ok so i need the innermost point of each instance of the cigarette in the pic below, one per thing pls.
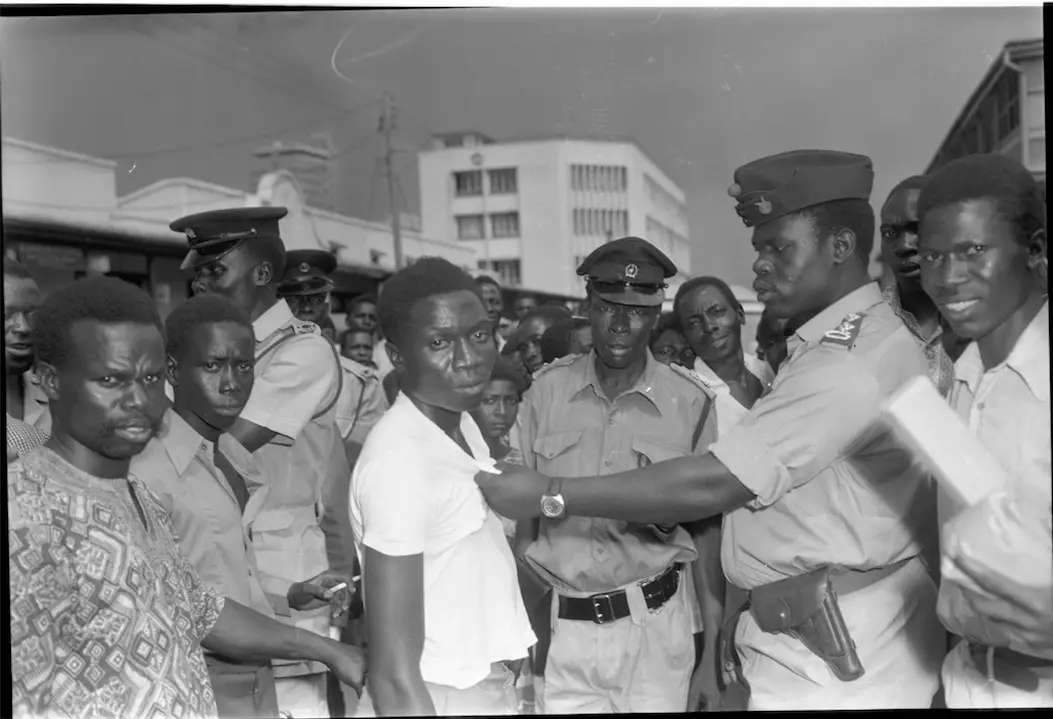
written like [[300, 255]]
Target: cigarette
[[336, 588], [356, 578]]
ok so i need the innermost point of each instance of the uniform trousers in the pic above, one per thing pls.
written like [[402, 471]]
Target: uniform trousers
[[969, 683], [641, 663], [243, 691], [493, 696], [898, 637]]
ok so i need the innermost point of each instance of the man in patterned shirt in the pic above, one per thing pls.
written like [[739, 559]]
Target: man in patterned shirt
[[107, 616]]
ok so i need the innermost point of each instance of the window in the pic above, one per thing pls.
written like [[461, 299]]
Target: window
[[507, 271], [470, 227], [504, 224], [468, 184], [598, 178], [503, 182], [1008, 94], [600, 223]]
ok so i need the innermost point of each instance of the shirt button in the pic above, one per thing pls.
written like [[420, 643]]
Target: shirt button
[[607, 463]]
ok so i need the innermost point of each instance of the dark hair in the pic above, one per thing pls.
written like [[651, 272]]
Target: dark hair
[[270, 250], [106, 300], [14, 268], [769, 327], [197, 311], [527, 297], [914, 182], [693, 284], [503, 370], [667, 322], [855, 215], [1013, 188], [486, 280], [555, 342], [361, 300], [427, 277], [549, 313]]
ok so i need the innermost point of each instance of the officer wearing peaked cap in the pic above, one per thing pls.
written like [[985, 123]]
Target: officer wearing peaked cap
[[307, 283], [812, 484], [615, 585], [289, 423]]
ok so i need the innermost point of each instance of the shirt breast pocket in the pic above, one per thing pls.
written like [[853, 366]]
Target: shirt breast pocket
[[554, 452], [648, 451]]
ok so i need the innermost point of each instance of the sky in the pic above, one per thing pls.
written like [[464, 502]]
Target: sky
[[702, 91]]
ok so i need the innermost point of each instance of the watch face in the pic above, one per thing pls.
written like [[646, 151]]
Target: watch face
[[552, 506]]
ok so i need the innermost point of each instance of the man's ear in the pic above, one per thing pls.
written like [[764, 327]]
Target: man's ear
[[172, 371], [843, 245], [263, 274], [47, 375], [393, 354], [741, 314]]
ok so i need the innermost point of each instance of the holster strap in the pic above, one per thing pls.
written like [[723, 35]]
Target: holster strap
[[848, 581], [612, 606]]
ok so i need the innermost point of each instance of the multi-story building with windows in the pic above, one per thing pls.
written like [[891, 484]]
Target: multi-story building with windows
[[534, 208], [1006, 113]]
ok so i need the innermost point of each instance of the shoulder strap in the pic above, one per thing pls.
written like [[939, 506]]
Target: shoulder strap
[[844, 335], [697, 434], [339, 384], [287, 333], [283, 334]]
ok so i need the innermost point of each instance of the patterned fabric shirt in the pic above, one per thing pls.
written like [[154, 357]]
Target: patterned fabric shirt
[[107, 616], [22, 438], [941, 367]]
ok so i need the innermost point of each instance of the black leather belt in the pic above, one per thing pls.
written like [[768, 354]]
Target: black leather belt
[[612, 606]]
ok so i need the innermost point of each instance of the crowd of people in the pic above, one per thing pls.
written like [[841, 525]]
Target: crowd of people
[[237, 511]]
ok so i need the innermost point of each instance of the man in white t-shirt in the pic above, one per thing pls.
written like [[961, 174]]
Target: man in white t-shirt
[[445, 620]]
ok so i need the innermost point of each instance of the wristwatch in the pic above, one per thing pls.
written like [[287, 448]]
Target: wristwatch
[[552, 505]]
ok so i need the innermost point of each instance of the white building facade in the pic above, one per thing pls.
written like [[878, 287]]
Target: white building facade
[[533, 209]]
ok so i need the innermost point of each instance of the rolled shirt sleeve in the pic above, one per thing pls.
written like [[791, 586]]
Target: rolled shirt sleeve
[[814, 416], [393, 498], [294, 385]]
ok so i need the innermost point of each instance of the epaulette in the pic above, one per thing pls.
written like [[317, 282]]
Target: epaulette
[[356, 368], [564, 361], [844, 335], [306, 327], [694, 377]]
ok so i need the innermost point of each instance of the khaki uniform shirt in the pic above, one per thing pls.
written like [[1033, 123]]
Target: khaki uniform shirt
[[569, 428], [362, 402], [832, 487], [178, 465]]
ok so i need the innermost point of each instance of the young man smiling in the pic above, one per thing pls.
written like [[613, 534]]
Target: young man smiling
[[445, 620], [107, 616], [983, 243], [210, 355]]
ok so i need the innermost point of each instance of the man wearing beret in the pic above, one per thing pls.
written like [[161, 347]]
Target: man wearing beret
[[289, 422], [821, 526], [621, 620]]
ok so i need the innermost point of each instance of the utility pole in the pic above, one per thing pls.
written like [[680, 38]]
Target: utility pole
[[387, 124]]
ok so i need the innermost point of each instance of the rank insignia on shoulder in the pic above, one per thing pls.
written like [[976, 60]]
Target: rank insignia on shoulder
[[564, 361], [305, 327], [692, 375], [844, 335]]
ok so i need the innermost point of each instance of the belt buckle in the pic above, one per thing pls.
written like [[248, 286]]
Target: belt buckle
[[598, 601]]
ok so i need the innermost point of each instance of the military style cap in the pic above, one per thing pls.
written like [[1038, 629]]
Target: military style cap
[[775, 186], [629, 271], [307, 272], [211, 235]]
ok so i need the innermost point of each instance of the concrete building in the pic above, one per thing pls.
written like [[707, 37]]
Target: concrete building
[[312, 165], [1005, 114], [62, 218], [534, 208]]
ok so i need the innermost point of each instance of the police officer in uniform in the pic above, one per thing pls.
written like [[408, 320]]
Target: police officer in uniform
[[289, 422], [622, 614], [815, 490]]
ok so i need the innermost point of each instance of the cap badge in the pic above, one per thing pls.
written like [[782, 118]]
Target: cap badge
[[190, 234], [304, 267], [764, 206], [630, 271]]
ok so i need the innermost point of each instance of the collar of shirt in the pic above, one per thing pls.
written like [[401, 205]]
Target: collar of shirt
[[181, 441], [813, 330], [272, 320], [891, 295], [424, 431], [1029, 359], [712, 378], [587, 377]]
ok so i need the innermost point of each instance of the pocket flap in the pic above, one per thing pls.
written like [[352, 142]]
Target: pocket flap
[[655, 451], [552, 445], [783, 605]]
